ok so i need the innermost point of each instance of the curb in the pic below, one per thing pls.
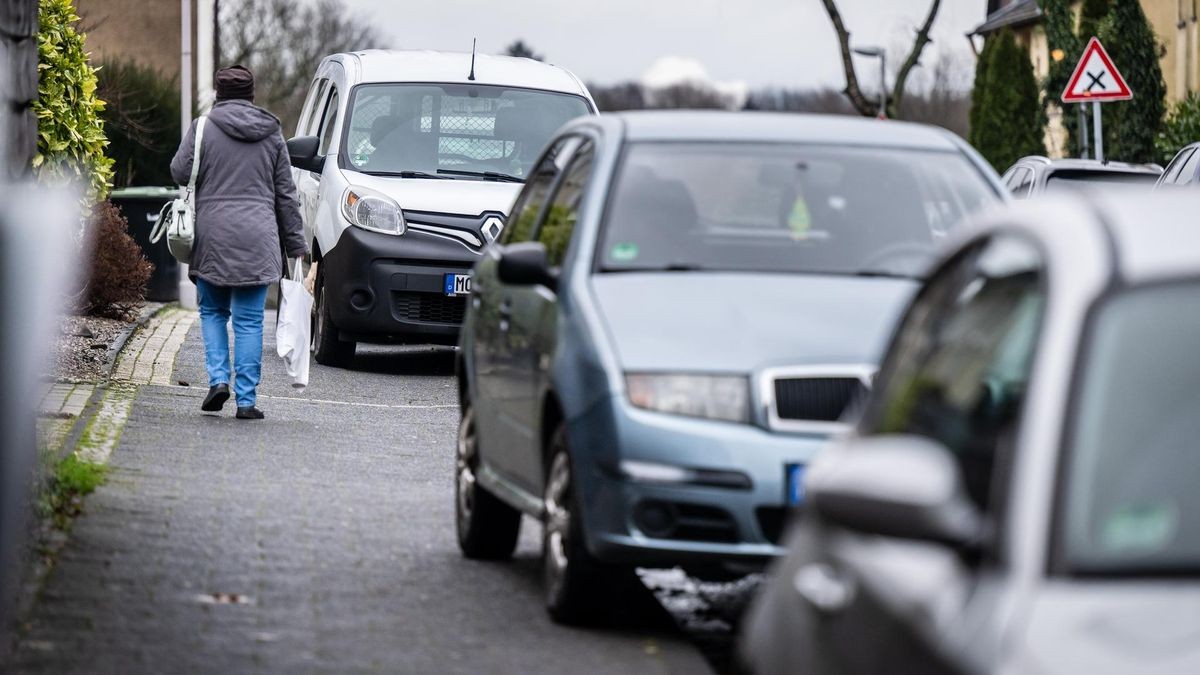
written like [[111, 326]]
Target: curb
[[114, 350]]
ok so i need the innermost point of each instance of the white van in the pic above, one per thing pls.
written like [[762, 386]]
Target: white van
[[406, 164]]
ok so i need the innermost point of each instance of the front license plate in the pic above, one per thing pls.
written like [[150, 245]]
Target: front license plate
[[795, 484], [457, 284]]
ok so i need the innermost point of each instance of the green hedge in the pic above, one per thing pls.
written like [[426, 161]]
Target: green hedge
[[1181, 127], [71, 138]]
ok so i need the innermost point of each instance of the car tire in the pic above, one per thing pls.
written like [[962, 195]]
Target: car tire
[[578, 587], [487, 527], [327, 348]]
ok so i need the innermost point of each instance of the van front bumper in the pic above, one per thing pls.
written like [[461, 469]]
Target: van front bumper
[[390, 289]]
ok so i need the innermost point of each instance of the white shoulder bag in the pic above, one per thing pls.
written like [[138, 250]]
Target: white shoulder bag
[[177, 219]]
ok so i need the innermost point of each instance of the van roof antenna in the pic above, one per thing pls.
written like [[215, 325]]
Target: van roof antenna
[[471, 76]]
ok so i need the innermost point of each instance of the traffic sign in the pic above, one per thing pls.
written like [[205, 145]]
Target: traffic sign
[[1096, 78]]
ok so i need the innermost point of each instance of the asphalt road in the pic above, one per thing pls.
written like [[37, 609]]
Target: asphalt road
[[318, 540]]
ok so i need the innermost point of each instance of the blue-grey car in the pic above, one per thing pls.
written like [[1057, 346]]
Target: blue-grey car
[[680, 312]]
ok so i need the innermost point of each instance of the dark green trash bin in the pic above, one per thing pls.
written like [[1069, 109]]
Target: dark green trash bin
[[141, 206]]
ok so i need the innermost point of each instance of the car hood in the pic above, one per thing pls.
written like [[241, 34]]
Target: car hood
[[1115, 626], [739, 322], [466, 196]]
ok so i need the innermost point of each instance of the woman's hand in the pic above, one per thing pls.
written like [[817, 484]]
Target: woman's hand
[[310, 281]]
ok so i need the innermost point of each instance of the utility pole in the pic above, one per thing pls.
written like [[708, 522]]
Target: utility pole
[[879, 53], [187, 291]]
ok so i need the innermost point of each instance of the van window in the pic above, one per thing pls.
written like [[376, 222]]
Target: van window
[[312, 109], [453, 128], [327, 124]]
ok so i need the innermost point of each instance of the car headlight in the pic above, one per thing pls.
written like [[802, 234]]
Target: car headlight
[[717, 397], [372, 210]]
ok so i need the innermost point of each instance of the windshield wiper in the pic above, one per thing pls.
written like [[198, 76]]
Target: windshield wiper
[[889, 274], [494, 175], [407, 174]]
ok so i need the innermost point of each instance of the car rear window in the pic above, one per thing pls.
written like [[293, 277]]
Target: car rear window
[[786, 207], [1072, 178]]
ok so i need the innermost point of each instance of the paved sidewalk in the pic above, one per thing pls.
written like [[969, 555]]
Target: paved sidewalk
[[318, 540]]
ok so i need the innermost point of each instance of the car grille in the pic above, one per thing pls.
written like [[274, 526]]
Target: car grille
[[429, 307], [772, 520], [704, 523], [817, 399]]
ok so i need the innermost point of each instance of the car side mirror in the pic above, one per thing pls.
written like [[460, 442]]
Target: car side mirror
[[526, 264], [908, 487], [302, 153]]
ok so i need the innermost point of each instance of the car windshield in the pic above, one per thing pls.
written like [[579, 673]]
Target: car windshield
[[786, 208], [1074, 178], [465, 131], [1133, 505]]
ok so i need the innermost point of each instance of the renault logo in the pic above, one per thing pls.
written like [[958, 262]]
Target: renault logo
[[491, 228]]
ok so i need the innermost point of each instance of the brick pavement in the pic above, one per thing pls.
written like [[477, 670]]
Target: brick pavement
[[318, 540]]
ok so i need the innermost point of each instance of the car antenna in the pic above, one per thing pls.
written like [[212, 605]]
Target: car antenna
[[471, 75]]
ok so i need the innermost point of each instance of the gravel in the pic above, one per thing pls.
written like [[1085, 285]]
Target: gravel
[[82, 345]]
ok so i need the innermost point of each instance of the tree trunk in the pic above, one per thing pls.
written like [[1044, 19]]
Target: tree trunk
[[860, 102]]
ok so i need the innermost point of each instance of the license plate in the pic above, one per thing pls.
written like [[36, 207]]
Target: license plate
[[795, 484], [457, 284]]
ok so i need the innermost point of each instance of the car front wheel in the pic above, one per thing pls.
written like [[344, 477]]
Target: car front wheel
[[487, 527], [326, 347], [577, 586]]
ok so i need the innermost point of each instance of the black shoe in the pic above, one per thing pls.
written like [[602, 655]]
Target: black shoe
[[217, 395], [250, 413]]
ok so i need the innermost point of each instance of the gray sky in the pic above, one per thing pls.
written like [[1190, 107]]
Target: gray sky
[[756, 42]]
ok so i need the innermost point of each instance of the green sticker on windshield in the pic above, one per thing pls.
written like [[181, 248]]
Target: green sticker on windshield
[[624, 252], [799, 219], [1139, 527]]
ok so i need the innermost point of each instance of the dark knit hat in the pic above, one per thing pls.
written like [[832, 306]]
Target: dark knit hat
[[235, 82]]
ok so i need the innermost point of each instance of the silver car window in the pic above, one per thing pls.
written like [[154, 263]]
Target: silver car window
[[958, 368], [1132, 500], [816, 209]]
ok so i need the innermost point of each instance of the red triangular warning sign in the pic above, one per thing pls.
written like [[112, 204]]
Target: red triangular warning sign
[[1096, 78]]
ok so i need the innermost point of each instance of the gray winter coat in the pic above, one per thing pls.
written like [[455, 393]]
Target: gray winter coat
[[245, 197]]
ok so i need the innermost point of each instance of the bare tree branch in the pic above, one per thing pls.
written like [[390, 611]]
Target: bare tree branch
[[914, 55], [852, 91]]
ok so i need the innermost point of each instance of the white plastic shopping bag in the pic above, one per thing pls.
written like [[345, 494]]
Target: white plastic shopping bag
[[292, 332]]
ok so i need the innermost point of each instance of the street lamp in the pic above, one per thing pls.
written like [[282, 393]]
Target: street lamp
[[877, 52]]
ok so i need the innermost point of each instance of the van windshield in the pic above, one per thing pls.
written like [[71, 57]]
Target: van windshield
[[448, 130]]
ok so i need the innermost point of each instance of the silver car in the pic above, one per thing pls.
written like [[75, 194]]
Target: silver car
[[679, 313], [1020, 495]]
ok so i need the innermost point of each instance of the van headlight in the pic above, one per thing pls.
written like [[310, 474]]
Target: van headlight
[[716, 397], [372, 210]]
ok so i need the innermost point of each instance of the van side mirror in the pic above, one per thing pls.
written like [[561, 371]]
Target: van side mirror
[[908, 487], [526, 264], [302, 153]]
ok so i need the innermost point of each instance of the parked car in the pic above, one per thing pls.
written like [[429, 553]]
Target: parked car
[[1184, 169], [681, 312], [1034, 175], [406, 163], [1019, 495]]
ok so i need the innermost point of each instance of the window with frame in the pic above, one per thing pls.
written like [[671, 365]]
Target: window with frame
[[958, 369], [523, 218], [328, 121], [559, 223], [313, 109]]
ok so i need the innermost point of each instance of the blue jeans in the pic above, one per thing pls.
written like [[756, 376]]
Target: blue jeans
[[245, 305]]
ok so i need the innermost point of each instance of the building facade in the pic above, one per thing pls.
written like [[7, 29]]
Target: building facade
[[1174, 23]]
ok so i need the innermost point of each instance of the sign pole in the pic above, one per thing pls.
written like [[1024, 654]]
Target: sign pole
[[1098, 127], [1084, 150]]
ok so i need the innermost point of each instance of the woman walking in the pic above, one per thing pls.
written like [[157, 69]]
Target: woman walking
[[245, 202]]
